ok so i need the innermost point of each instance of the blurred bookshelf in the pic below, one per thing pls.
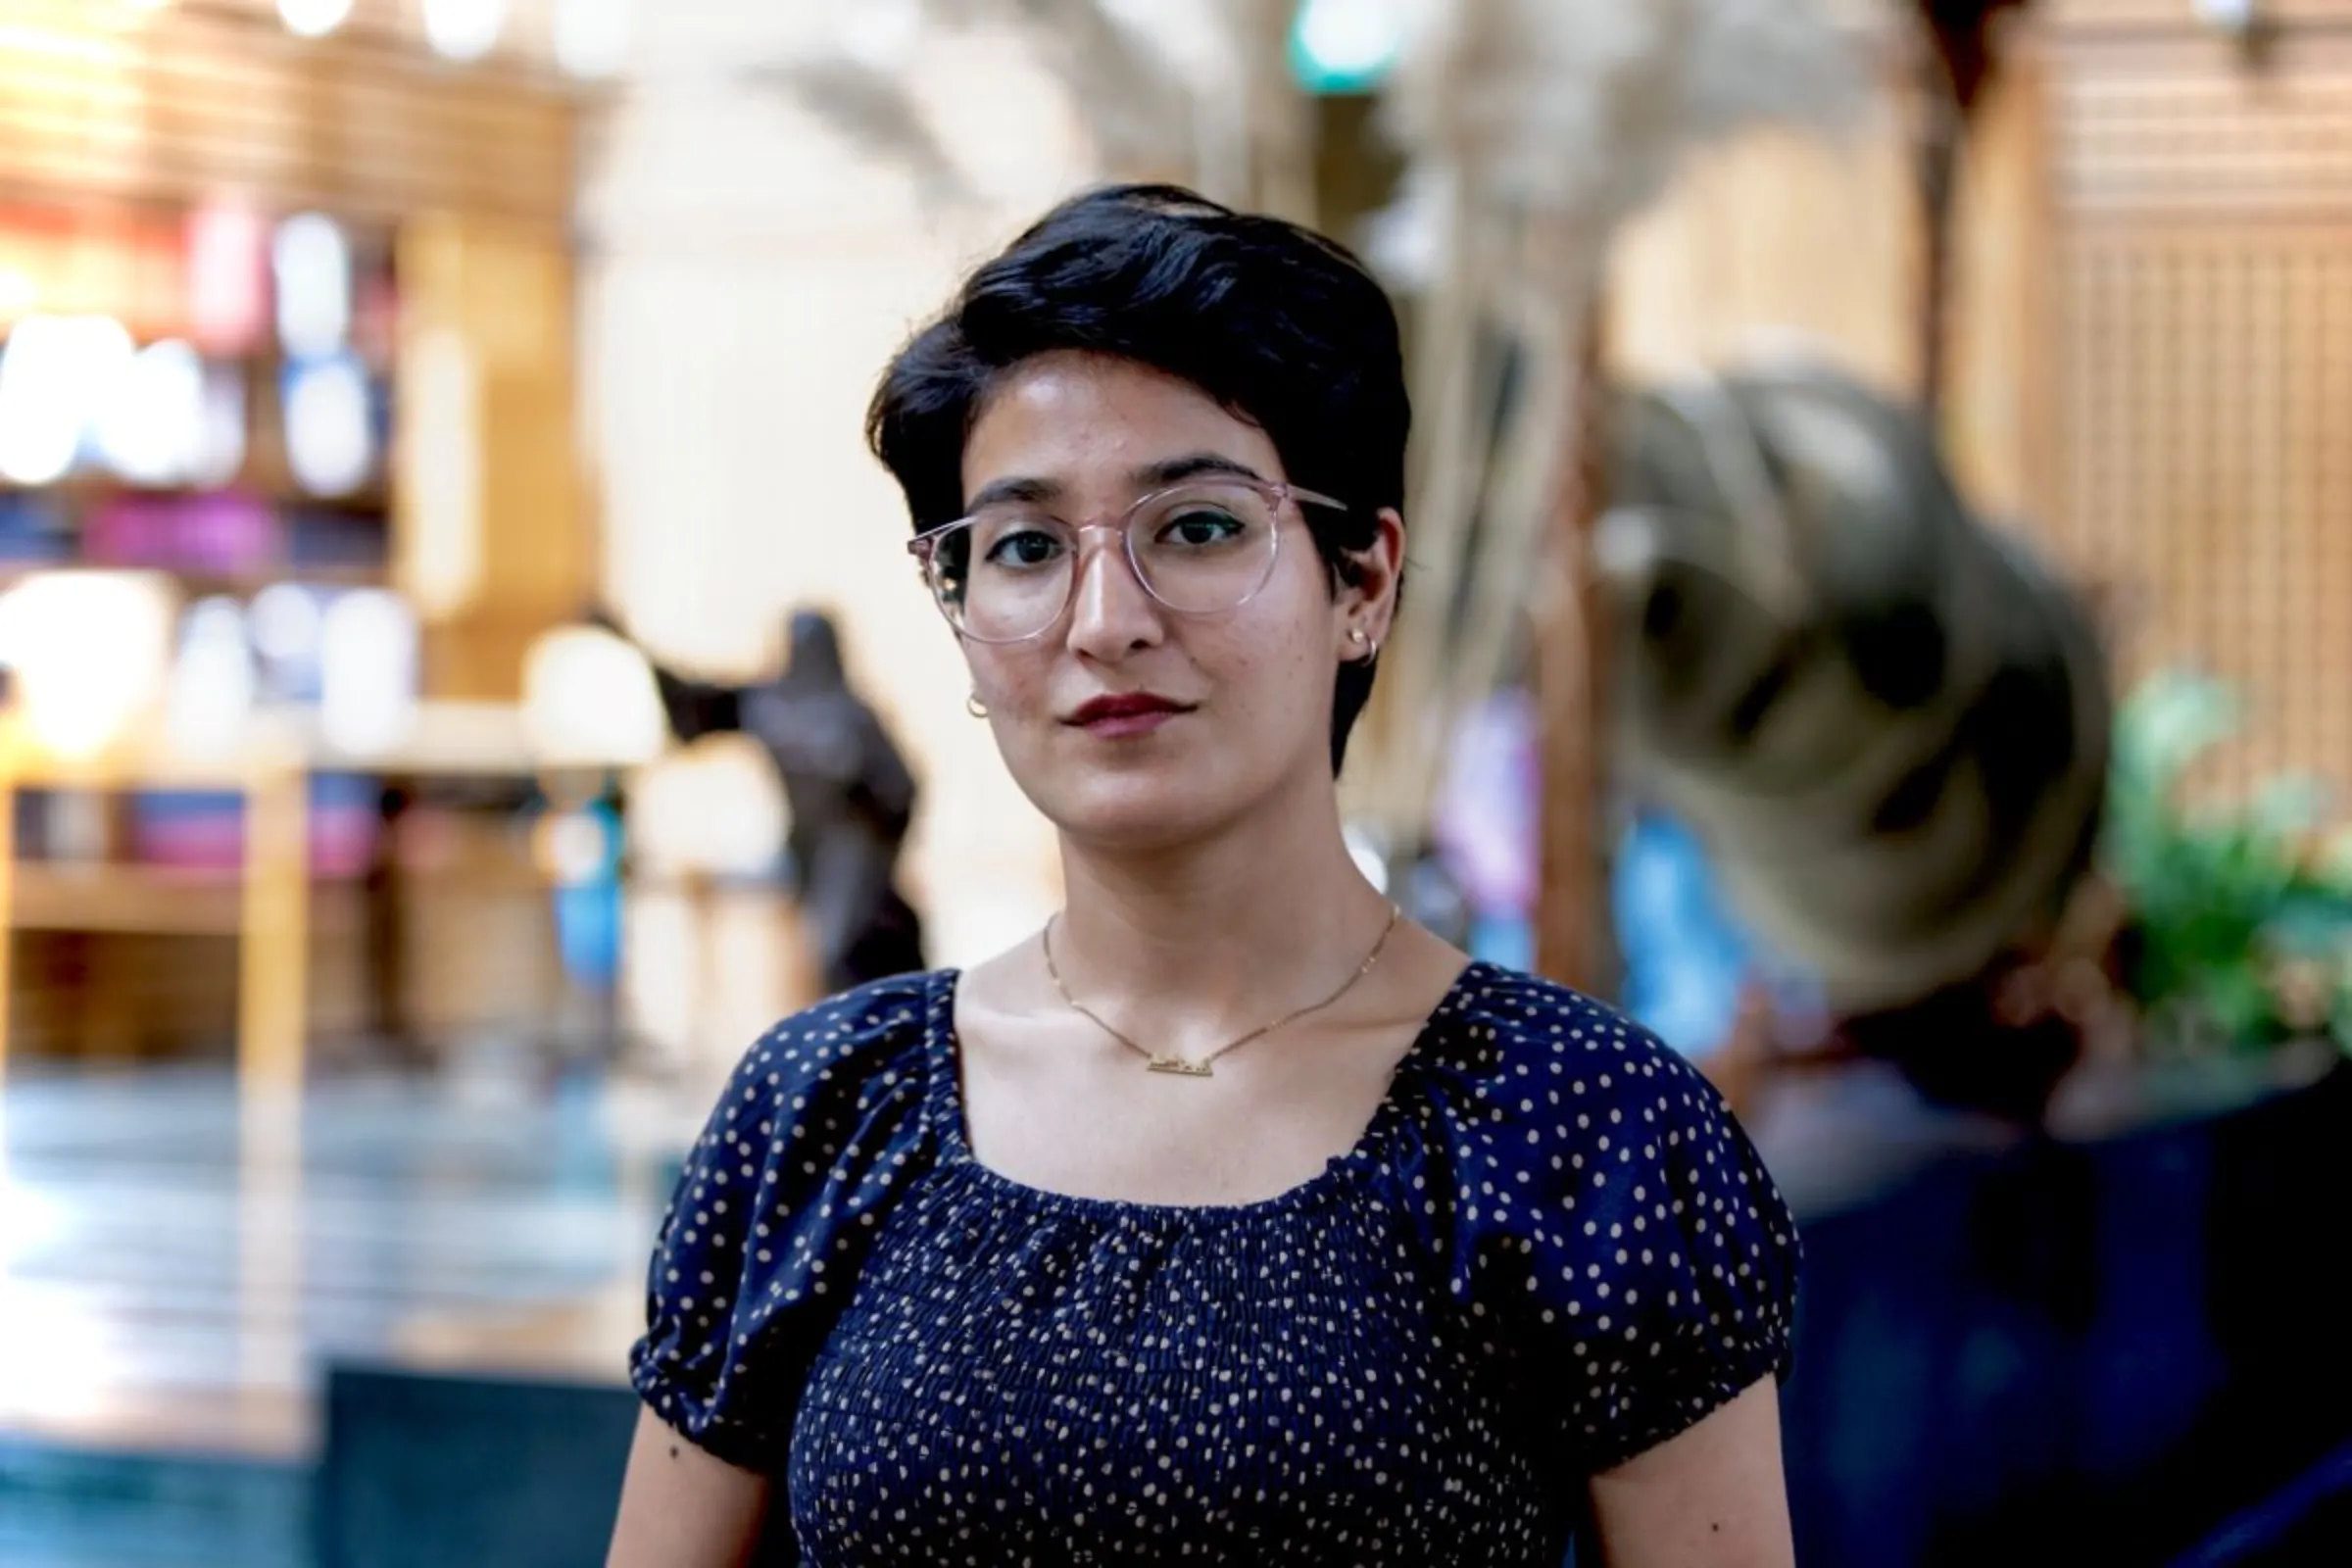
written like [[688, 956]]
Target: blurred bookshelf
[[252, 286]]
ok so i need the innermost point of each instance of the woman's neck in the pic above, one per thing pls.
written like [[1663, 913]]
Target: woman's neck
[[1219, 934]]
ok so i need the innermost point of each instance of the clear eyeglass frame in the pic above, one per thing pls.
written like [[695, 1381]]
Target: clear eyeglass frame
[[925, 547]]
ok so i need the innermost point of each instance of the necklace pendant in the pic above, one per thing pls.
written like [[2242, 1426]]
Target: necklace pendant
[[1181, 1067]]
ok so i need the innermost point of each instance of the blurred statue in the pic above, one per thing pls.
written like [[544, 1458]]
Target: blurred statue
[[1884, 719], [851, 794]]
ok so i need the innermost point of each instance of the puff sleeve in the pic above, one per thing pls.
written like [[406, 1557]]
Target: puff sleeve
[[1613, 1221], [819, 1127]]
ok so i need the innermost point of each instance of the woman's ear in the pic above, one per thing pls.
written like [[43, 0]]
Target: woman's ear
[[1369, 603]]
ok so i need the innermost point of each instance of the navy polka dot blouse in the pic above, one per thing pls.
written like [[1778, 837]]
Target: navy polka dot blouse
[[1551, 1249]]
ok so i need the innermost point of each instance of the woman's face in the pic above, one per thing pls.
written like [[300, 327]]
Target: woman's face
[[1247, 691]]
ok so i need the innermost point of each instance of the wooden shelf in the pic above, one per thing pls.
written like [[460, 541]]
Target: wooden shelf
[[86, 490], [126, 898], [200, 581]]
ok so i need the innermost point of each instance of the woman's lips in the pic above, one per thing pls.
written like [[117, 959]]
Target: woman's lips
[[1116, 718]]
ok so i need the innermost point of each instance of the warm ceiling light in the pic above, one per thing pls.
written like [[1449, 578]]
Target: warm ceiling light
[[463, 29], [312, 19]]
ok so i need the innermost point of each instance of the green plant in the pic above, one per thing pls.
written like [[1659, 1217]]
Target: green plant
[[2243, 923]]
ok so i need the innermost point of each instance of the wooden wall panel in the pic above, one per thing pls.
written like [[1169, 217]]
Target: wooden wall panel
[[1779, 234], [2178, 15], [2205, 392], [2200, 376], [1996, 420], [513, 510], [192, 100], [2178, 126]]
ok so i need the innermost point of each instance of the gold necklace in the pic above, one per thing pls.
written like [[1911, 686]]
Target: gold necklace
[[1157, 1061]]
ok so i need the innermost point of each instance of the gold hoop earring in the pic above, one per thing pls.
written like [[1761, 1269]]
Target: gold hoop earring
[[973, 705]]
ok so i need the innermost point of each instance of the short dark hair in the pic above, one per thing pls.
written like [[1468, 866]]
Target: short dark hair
[[1279, 324]]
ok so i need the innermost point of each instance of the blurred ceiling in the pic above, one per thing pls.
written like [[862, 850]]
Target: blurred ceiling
[[172, 101]]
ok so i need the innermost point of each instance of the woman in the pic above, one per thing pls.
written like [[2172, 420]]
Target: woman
[[1229, 1219]]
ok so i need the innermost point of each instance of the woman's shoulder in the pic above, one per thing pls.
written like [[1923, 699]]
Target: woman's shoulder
[[1561, 1095], [838, 1083], [878, 1033], [1524, 1043]]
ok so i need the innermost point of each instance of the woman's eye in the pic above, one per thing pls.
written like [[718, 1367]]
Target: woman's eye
[[1201, 528], [1024, 546]]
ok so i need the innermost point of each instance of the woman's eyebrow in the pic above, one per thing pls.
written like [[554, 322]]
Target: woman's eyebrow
[[1034, 492], [1192, 465]]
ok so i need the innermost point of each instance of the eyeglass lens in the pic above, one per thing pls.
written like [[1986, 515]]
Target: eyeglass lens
[[1007, 574]]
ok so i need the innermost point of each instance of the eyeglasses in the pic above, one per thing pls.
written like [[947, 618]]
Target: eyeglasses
[[1008, 572]]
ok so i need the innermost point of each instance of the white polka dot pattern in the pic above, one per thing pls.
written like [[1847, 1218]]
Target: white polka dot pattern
[[1550, 1250]]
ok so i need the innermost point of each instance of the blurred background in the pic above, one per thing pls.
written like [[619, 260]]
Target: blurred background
[[1882, 530]]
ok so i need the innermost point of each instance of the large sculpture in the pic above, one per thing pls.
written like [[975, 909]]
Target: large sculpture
[[850, 795], [1887, 721]]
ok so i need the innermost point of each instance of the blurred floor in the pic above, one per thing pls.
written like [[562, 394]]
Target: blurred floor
[[170, 1291]]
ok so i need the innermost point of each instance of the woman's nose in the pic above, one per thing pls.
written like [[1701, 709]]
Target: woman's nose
[[1111, 611]]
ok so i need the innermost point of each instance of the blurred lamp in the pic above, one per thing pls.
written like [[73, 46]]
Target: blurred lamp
[[151, 429], [463, 29], [54, 375], [221, 428], [312, 19], [19, 293], [440, 457], [212, 683], [367, 674], [880, 34], [331, 431], [228, 277], [312, 261], [92, 654], [2233, 17], [1345, 45], [592, 37], [287, 626], [573, 846], [715, 809], [286, 622], [589, 701]]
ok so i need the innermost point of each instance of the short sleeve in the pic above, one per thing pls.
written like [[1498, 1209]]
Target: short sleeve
[[819, 1127], [1619, 1222]]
